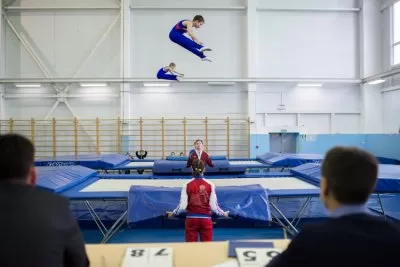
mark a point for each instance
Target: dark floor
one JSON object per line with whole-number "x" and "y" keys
{"x": 177, "y": 235}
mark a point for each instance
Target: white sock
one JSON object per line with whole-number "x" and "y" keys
{"x": 205, "y": 49}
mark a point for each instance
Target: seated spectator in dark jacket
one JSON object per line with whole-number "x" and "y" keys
{"x": 37, "y": 228}
{"x": 353, "y": 236}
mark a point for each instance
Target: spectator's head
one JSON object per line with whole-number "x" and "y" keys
{"x": 198, "y": 144}
{"x": 172, "y": 153}
{"x": 197, "y": 167}
{"x": 198, "y": 21}
{"x": 17, "y": 159}
{"x": 181, "y": 154}
{"x": 349, "y": 176}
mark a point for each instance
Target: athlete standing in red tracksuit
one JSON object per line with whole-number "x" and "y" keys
{"x": 198, "y": 153}
{"x": 198, "y": 198}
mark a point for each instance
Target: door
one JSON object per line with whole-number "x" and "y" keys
{"x": 283, "y": 142}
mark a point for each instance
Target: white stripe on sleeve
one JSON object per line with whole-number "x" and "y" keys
{"x": 214, "y": 201}
{"x": 183, "y": 201}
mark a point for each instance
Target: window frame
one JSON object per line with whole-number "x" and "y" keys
{"x": 392, "y": 43}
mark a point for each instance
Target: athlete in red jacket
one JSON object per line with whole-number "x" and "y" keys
{"x": 198, "y": 198}
{"x": 198, "y": 153}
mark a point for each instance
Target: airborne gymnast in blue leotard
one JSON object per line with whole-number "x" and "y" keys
{"x": 177, "y": 35}
{"x": 169, "y": 73}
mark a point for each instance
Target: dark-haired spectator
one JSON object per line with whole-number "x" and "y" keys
{"x": 352, "y": 236}
{"x": 37, "y": 228}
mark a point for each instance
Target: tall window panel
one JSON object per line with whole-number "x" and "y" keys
{"x": 396, "y": 33}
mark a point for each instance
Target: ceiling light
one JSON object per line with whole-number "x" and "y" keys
{"x": 309, "y": 85}
{"x": 221, "y": 83}
{"x": 156, "y": 84}
{"x": 376, "y": 81}
{"x": 93, "y": 84}
{"x": 27, "y": 85}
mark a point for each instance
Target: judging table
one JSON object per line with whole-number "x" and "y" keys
{"x": 200, "y": 254}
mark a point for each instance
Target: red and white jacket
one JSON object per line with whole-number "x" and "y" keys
{"x": 199, "y": 200}
{"x": 201, "y": 155}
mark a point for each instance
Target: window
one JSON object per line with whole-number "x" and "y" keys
{"x": 396, "y": 33}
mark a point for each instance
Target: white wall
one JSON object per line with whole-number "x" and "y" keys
{"x": 223, "y": 31}
{"x": 391, "y": 99}
{"x": 312, "y": 110}
{"x": 183, "y": 100}
{"x": 64, "y": 42}
{"x": 392, "y": 111}
{"x": 386, "y": 39}
{"x": 308, "y": 43}
{"x": 294, "y": 44}
{"x": 88, "y": 103}
{"x": 64, "y": 39}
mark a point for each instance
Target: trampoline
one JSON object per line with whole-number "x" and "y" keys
{"x": 134, "y": 165}
{"x": 95, "y": 188}
{"x": 93, "y": 161}
{"x": 249, "y": 163}
{"x": 289, "y": 160}
{"x": 388, "y": 179}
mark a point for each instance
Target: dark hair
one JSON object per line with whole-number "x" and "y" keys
{"x": 197, "y": 167}
{"x": 198, "y": 140}
{"x": 198, "y": 18}
{"x": 16, "y": 157}
{"x": 351, "y": 174}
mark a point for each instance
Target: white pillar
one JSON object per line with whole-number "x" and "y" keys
{"x": 252, "y": 58}
{"x": 371, "y": 64}
{"x": 2, "y": 71}
{"x": 125, "y": 59}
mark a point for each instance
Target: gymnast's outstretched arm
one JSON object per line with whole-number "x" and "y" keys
{"x": 189, "y": 27}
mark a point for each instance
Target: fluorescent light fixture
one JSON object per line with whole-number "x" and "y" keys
{"x": 309, "y": 85}
{"x": 27, "y": 85}
{"x": 221, "y": 83}
{"x": 377, "y": 81}
{"x": 94, "y": 85}
{"x": 156, "y": 84}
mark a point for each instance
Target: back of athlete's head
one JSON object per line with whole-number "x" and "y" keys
{"x": 198, "y": 18}
{"x": 172, "y": 65}
{"x": 197, "y": 167}
{"x": 349, "y": 175}
{"x": 16, "y": 158}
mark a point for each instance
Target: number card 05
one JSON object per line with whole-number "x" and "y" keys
{"x": 148, "y": 257}
{"x": 257, "y": 257}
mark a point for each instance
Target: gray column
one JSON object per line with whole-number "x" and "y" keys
{"x": 125, "y": 59}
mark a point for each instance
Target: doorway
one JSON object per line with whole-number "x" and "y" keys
{"x": 283, "y": 142}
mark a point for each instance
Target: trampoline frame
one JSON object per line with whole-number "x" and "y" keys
{"x": 289, "y": 225}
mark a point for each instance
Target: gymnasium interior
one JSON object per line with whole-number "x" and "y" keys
{"x": 288, "y": 81}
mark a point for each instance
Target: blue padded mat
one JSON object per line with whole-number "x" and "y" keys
{"x": 168, "y": 167}
{"x": 188, "y": 176}
{"x": 93, "y": 161}
{"x": 388, "y": 176}
{"x": 383, "y": 160}
{"x": 249, "y": 163}
{"x": 289, "y": 160}
{"x": 150, "y": 202}
{"x": 59, "y": 179}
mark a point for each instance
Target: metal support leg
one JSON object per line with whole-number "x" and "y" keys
{"x": 96, "y": 218}
{"x": 115, "y": 227}
{"x": 284, "y": 217}
{"x": 282, "y": 224}
{"x": 381, "y": 205}
{"x": 299, "y": 214}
